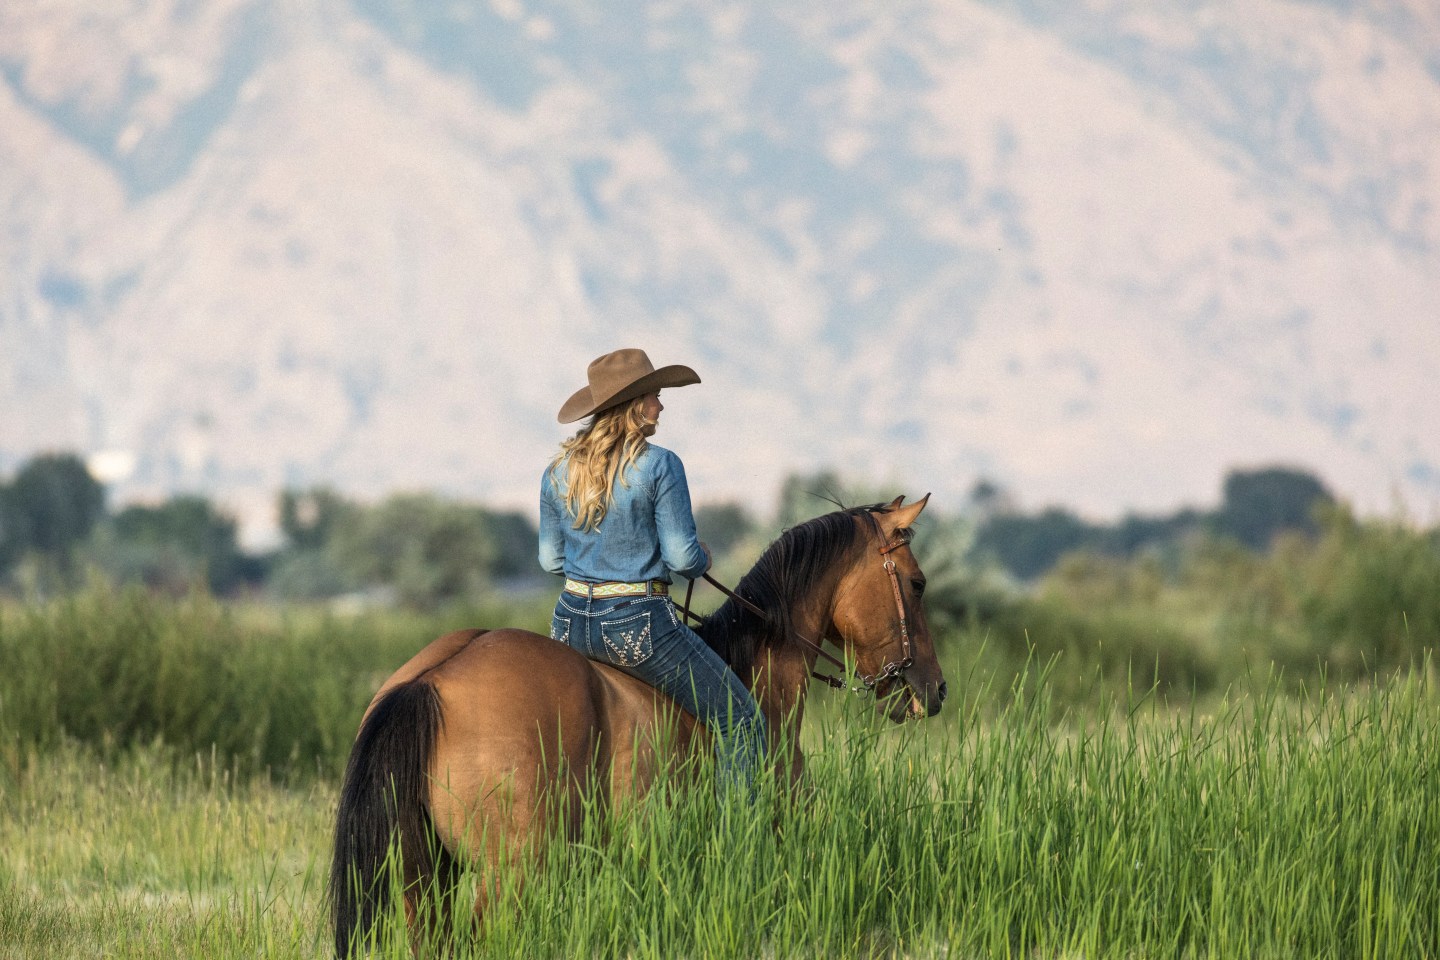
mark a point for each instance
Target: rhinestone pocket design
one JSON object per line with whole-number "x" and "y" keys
{"x": 629, "y": 642}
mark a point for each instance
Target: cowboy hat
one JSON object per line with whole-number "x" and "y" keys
{"x": 619, "y": 376}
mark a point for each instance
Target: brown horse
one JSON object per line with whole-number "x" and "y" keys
{"x": 486, "y": 743}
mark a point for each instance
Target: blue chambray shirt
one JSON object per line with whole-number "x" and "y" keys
{"x": 647, "y": 534}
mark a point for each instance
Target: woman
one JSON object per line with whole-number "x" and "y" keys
{"x": 615, "y": 521}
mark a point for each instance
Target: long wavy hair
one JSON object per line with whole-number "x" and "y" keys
{"x": 597, "y": 457}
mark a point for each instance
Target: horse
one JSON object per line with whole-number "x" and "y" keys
{"x": 488, "y": 743}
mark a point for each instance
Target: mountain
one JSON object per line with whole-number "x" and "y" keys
{"x": 1098, "y": 251}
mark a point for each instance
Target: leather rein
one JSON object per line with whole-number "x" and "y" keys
{"x": 892, "y": 668}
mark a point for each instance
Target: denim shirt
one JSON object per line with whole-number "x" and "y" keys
{"x": 647, "y": 534}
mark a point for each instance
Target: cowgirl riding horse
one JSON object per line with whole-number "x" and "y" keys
{"x": 488, "y": 743}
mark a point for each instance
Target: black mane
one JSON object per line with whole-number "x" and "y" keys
{"x": 783, "y": 576}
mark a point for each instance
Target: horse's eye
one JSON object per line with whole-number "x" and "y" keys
{"x": 918, "y": 585}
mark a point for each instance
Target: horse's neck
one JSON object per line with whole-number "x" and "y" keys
{"x": 781, "y": 678}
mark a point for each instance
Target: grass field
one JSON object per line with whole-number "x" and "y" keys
{"x": 1263, "y": 825}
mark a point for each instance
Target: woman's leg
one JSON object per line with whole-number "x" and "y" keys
{"x": 646, "y": 639}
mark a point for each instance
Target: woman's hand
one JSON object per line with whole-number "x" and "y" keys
{"x": 708, "y": 559}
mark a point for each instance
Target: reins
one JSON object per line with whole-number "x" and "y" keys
{"x": 890, "y": 669}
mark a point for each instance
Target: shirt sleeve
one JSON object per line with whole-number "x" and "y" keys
{"x": 552, "y": 529}
{"x": 680, "y": 549}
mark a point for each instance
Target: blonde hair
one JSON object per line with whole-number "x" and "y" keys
{"x": 598, "y": 455}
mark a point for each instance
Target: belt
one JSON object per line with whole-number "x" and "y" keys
{"x": 615, "y": 588}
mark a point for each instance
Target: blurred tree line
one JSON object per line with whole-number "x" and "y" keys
{"x": 1257, "y": 506}
{"x": 422, "y": 550}
{"x": 417, "y": 549}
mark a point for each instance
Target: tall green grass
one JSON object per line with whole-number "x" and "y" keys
{"x": 277, "y": 691}
{"x": 142, "y": 857}
{"x": 1277, "y": 826}
{"x": 1047, "y": 812}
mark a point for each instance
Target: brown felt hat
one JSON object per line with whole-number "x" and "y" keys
{"x": 620, "y": 376}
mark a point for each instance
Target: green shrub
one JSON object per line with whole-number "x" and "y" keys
{"x": 1370, "y": 597}
{"x": 1360, "y": 598}
{"x": 276, "y": 691}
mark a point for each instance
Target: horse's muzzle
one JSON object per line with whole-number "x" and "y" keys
{"x": 916, "y": 701}
{"x": 928, "y": 700}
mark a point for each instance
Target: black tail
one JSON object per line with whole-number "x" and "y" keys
{"x": 383, "y": 809}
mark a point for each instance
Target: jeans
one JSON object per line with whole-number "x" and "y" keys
{"x": 644, "y": 637}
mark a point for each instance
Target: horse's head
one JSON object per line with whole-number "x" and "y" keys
{"x": 880, "y": 619}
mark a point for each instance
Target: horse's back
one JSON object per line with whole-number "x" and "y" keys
{"x": 514, "y": 696}
{"x": 529, "y": 721}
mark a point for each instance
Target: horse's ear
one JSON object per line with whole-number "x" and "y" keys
{"x": 899, "y": 518}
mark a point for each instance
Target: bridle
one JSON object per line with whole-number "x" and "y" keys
{"x": 892, "y": 668}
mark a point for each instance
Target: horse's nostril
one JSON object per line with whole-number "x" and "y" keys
{"x": 941, "y": 691}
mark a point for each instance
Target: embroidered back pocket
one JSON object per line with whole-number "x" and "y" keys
{"x": 628, "y": 641}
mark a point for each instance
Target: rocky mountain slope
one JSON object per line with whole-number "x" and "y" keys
{"x": 1098, "y": 251}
